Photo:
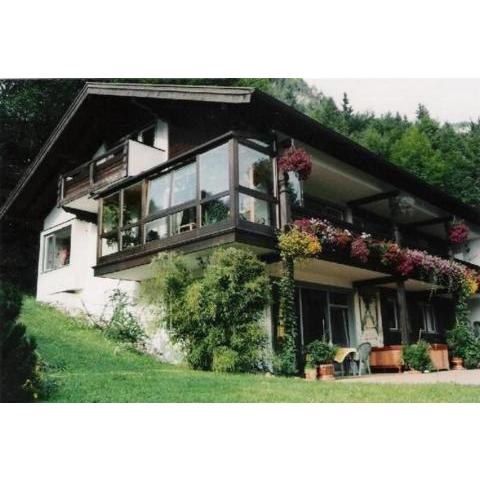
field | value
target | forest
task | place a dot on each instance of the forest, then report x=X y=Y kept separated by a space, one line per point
x=446 y=155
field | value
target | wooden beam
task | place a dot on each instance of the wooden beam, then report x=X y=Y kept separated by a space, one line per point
x=427 y=223
x=89 y=217
x=373 y=198
x=377 y=281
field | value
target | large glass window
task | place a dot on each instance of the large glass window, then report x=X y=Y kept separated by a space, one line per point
x=158 y=194
x=216 y=211
x=156 y=230
x=57 y=249
x=184 y=221
x=214 y=171
x=111 y=213
x=184 y=184
x=132 y=204
x=252 y=209
x=255 y=170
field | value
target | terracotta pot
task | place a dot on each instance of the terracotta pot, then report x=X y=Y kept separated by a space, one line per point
x=457 y=363
x=311 y=374
x=326 y=372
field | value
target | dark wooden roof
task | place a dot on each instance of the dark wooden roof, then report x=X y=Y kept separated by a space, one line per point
x=115 y=102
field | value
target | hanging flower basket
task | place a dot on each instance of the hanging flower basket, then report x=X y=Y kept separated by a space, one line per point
x=458 y=233
x=296 y=160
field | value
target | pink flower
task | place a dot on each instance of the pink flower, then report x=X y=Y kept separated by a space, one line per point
x=458 y=233
x=359 y=250
x=296 y=160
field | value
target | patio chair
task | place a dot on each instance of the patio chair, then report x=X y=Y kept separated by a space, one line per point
x=363 y=357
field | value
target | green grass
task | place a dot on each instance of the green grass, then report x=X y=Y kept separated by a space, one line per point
x=87 y=367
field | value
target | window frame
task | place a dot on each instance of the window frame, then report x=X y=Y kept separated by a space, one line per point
x=396 y=319
x=51 y=235
x=232 y=140
x=424 y=306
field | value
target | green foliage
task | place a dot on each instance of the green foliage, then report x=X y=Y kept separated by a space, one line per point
x=224 y=360
x=123 y=326
x=320 y=352
x=19 y=381
x=217 y=311
x=416 y=356
x=286 y=362
x=462 y=343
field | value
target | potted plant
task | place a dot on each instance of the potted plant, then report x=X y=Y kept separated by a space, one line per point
x=320 y=355
x=311 y=370
x=458 y=339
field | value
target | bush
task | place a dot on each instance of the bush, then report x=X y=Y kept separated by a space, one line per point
x=19 y=380
x=416 y=356
x=215 y=313
x=224 y=360
x=320 y=352
x=123 y=326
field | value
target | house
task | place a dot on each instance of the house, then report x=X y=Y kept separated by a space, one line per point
x=132 y=170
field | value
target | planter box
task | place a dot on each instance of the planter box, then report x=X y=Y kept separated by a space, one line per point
x=439 y=356
x=391 y=357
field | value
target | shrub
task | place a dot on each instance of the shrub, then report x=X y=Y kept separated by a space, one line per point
x=18 y=377
x=416 y=356
x=320 y=352
x=123 y=326
x=460 y=338
x=224 y=360
x=218 y=311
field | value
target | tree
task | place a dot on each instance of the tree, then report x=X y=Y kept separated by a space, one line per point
x=18 y=359
x=214 y=317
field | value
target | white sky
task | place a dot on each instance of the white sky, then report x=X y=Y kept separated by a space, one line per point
x=452 y=100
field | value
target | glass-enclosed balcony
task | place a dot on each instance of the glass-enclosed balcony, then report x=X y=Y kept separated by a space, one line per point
x=228 y=183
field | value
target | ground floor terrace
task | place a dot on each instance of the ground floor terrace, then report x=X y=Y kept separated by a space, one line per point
x=350 y=306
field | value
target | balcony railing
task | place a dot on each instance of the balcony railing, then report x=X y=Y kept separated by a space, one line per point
x=128 y=158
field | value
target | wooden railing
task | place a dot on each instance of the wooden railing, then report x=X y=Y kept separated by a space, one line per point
x=100 y=171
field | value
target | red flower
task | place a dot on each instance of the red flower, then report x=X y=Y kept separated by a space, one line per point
x=296 y=160
x=406 y=264
x=458 y=233
x=359 y=250
x=391 y=254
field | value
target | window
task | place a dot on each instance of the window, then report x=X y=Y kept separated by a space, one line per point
x=111 y=213
x=147 y=136
x=57 y=249
x=252 y=209
x=255 y=170
x=390 y=310
x=184 y=184
x=215 y=211
x=156 y=230
x=184 y=221
x=214 y=171
x=429 y=320
x=159 y=194
x=132 y=204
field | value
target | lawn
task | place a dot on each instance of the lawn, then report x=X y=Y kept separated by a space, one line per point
x=87 y=367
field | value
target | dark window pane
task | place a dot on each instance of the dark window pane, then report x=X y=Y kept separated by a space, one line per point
x=184 y=184
x=339 y=326
x=110 y=245
x=214 y=171
x=255 y=170
x=391 y=313
x=184 y=221
x=339 y=298
x=132 y=204
x=156 y=230
x=131 y=237
x=313 y=312
x=111 y=213
x=158 y=194
x=147 y=136
x=216 y=210
x=252 y=209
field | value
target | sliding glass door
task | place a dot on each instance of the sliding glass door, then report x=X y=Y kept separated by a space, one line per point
x=324 y=313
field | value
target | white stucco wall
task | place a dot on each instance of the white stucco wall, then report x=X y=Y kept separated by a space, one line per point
x=75 y=290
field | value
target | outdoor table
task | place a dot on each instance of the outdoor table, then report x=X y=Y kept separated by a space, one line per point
x=343 y=354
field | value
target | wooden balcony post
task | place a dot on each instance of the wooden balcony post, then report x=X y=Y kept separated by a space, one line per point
x=403 y=319
x=284 y=199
